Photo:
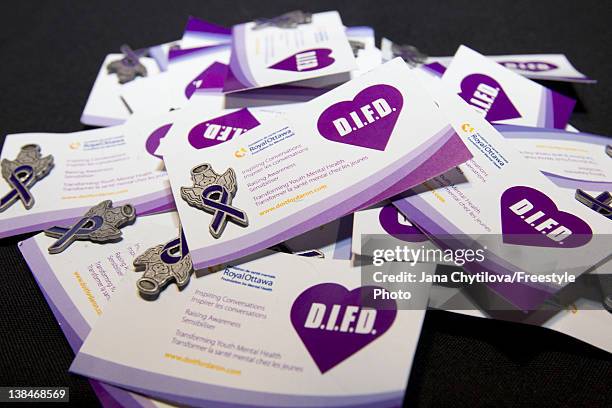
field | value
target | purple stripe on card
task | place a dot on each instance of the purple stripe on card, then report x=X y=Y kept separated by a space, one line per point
x=435 y=68
x=449 y=152
x=544 y=110
x=359 y=31
x=198 y=25
x=103 y=121
x=105 y=398
x=342 y=249
x=526 y=132
x=168 y=206
x=127 y=399
x=189 y=53
x=562 y=108
x=336 y=206
x=568 y=182
x=238 y=76
x=193 y=393
x=71 y=321
x=555 y=110
x=207 y=37
x=580 y=80
x=160 y=201
x=284 y=92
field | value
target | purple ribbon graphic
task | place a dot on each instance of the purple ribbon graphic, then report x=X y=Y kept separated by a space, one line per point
x=175 y=250
x=20 y=180
x=81 y=230
x=221 y=209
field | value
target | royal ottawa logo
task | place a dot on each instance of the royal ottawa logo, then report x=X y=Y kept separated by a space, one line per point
x=240 y=153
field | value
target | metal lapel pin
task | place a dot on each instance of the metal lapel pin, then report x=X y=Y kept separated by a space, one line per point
x=22 y=173
x=162 y=264
x=100 y=223
x=310 y=253
x=600 y=204
x=128 y=67
x=213 y=193
x=356 y=46
x=288 y=20
x=408 y=53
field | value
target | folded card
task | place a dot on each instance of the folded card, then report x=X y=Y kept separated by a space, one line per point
x=53 y=179
x=259 y=333
x=189 y=70
x=104 y=105
x=200 y=33
x=352 y=147
x=195 y=127
x=330 y=241
x=270 y=55
x=545 y=67
x=385 y=219
x=502 y=96
x=569 y=159
x=572 y=160
x=289 y=96
x=79 y=288
x=582 y=319
x=549 y=67
x=367 y=57
x=500 y=200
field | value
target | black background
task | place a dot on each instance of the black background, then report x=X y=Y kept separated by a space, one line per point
x=50 y=55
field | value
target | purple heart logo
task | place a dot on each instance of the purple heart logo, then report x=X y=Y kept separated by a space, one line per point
x=334 y=323
x=211 y=78
x=487 y=96
x=530 y=217
x=529 y=66
x=218 y=130
x=152 y=142
x=398 y=226
x=366 y=121
x=305 y=61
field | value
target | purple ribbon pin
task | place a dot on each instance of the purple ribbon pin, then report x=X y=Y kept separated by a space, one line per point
x=216 y=199
x=22 y=173
x=213 y=192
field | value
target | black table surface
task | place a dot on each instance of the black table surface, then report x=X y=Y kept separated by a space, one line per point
x=51 y=52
